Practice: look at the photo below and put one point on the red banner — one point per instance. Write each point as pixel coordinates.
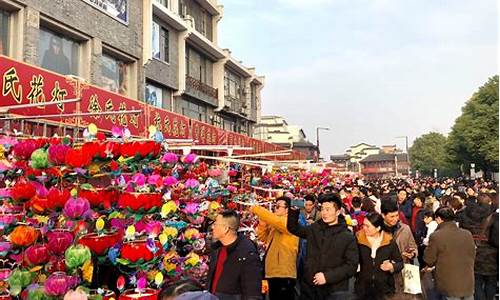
(25, 84)
(96, 100)
(172, 125)
(205, 134)
(234, 138)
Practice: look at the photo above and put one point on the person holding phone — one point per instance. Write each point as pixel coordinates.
(403, 237)
(282, 249)
(331, 255)
(379, 260)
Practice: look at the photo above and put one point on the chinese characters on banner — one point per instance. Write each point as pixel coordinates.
(205, 134)
(25, 84)
(95, 100)
(173, 126)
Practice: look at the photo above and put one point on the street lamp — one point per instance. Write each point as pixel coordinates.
(407, 153)
(317, 136)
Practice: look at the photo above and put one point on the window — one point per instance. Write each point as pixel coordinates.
(197, 65)
(229, 125)
(158, 96)
(193, 110)
(160, 42)
(4, 32)
(58, 53)
(163, 2)
(253, 96)
(182, 8)
(232, 85)
(114, 74)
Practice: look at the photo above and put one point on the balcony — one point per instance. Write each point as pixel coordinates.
(201, 90)
(235, 106)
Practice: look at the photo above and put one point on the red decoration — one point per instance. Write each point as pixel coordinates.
(76, 158)
(38, 204)
(100, 197)
(136, 201)
(99, 244)
(142, 149)
(57, 198)
(22, 190)
(135, 250)
(59, 240)
(147, 294)
(36, 255)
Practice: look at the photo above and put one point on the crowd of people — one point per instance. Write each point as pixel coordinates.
(352, 241)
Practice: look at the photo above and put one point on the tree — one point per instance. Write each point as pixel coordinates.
(428, 152)
(474, 137)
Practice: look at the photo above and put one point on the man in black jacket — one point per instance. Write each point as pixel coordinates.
(235, 271)
(332, 254)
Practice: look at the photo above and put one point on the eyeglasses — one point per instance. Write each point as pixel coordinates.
(218, 224)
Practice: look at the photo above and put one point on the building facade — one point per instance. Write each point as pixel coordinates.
(162, 52)
(385, 165)
(276, 130)
(340, 162)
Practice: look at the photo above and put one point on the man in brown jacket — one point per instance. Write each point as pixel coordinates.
(452, 251)
(403, 238)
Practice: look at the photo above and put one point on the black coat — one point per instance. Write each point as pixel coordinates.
(371, 281)
(331, 250)
(473, 219)
(241, 277)
(420, 228)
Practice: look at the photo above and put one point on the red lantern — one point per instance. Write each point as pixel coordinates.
(100, 197)
(56, 264)
(135, 250)
(59, 240)
(99, 244)
(57, 198)
(36, 255)
(76, 158)
(136, 201)
(22, 190)
(38, 204)
(147, 294)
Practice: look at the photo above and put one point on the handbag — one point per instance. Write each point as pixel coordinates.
(411, 279)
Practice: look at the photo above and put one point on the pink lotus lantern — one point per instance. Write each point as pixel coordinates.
(59, 240)
(36, 255)
(169, 158)
(59, 284)
(76, 208)
(57, 153)
(4, 274)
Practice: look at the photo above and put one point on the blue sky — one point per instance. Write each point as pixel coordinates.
(371, 70)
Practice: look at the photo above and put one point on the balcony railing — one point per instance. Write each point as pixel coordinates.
(201, 87)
